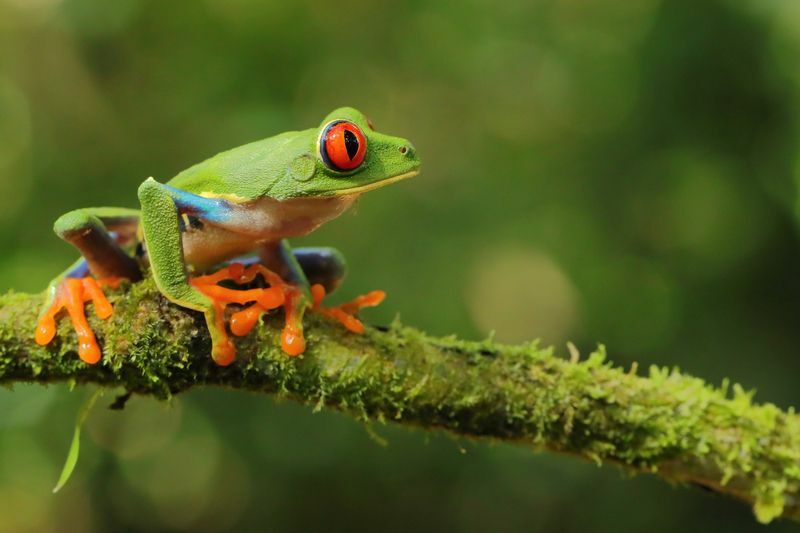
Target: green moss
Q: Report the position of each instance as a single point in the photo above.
(667, 423)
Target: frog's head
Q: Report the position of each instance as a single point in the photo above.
(345, 155)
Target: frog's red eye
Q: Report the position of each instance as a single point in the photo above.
(342, 146)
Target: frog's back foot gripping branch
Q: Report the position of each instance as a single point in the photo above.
(256, 301)
(347, 313)
(72, 294)
(259, 301)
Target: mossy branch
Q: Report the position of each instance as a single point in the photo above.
(667, 423)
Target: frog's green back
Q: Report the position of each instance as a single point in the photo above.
(248, 171)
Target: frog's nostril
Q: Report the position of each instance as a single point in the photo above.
(407, 150)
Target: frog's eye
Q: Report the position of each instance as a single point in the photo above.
(342, 146)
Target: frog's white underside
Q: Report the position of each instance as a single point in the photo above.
(257, 223)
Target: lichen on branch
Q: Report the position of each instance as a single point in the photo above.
(666, 423)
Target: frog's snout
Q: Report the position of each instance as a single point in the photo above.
(408, 156)
(408, 150)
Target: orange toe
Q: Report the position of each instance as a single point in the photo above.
(242, 322)
(72, 294)
(258, 301)
(346, 313)
(46, 329)
(224, 352)
(293, 342)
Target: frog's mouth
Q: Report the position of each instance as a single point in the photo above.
(376, 184)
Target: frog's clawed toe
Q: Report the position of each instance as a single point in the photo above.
(71, 294)
(346, 313)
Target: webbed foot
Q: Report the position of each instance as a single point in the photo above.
(279, 293)
(71, 294)
(346, 313)
(259, 301)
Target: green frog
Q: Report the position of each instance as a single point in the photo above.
(227, 220)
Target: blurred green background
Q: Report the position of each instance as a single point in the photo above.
(605, 171)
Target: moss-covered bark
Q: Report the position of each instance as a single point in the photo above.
(667, 423)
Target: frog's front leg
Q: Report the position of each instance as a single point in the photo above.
(99, 234)
(161, 207)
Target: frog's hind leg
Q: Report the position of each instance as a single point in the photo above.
(322, 266)
(325, 269)
(289, 274)
(99, 235)
(298, 280)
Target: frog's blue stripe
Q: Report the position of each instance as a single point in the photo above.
(211, 209)
(78, 270)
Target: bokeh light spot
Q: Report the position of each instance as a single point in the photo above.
(185, 482)
(707, 219)
(521, 294)
(143, 427)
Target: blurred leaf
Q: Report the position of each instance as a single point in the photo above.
(74, 448)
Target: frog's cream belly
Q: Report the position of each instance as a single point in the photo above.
(212, 245)
(256, 224)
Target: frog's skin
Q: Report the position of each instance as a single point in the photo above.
(236, 208)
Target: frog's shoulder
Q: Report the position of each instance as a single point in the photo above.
(245, 171)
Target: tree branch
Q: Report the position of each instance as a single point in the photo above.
(667, 423)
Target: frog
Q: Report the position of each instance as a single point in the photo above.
(224, 225)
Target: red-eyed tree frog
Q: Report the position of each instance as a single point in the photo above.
(233, 213)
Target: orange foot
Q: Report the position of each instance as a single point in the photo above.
(261, 300)
(72, 294)
(279, 293)
(346, 313)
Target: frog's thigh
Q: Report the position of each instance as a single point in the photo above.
(325, 266)
(86, 230)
